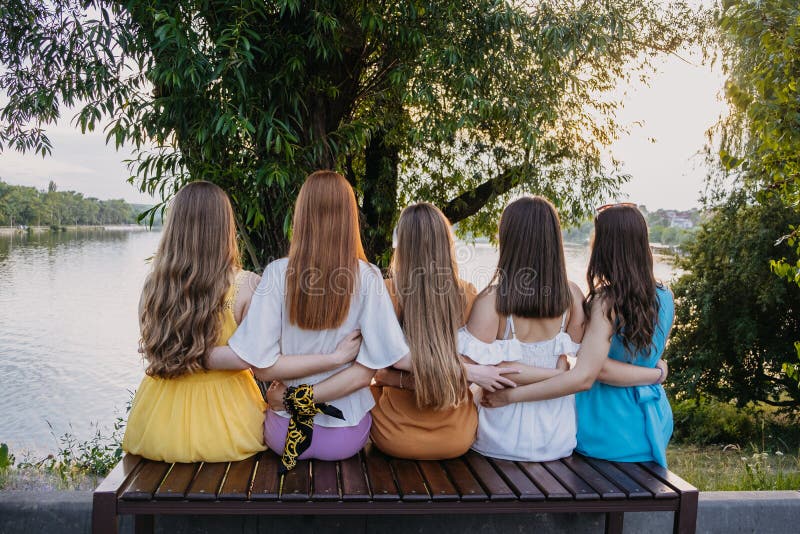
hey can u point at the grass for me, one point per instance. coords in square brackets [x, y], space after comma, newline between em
[78, 464]
[731, 468]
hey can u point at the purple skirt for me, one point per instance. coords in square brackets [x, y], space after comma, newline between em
[327, 443]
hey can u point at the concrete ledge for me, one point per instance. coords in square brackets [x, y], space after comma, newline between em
[723, 512]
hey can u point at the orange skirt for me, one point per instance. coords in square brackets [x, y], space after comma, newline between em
[402, 430]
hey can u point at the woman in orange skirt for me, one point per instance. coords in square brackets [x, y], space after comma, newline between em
[429, 413]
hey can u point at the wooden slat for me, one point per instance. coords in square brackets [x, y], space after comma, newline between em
[379, 474]
[409, 481]
[207, 482]
[325, 481]
[553, 489]
[518, 480]
[176, 482]
[145, 482]
[490, 479]
[122, 473]
[266, 480]
[685, 520]
[575, 484]
[601, 484]
[465, 482]
[238, 481]
[667, 476]
[354, 480]
[439, 485]
[646, 478]
[633, 489]
[296, 485]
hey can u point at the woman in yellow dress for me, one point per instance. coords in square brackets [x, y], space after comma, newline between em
[192, 301]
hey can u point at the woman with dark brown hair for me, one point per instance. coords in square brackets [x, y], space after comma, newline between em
[528, 318]
[623, 412]
[306, 304]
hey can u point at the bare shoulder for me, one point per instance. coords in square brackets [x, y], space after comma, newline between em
[576, 291]
[248, 282]
[483, 319]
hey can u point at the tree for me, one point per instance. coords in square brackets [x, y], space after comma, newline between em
[462, 103]
[760, 139]
[736, 322]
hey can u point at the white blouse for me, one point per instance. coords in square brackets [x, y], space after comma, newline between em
[265, 333]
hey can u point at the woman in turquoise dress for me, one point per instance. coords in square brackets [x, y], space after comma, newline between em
[629, 318]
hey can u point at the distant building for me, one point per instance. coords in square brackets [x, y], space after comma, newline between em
[679, 221]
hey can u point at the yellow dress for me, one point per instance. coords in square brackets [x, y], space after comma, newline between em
[210, 416]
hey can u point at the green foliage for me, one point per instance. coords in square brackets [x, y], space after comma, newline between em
[77, 459]
[760, 140]
[6, 458]
[27, 206]
[707, 422]
[735, 322]
[462, 103]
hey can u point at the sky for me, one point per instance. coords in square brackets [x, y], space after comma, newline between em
[667, 119]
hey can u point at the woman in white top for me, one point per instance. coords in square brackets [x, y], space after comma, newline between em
[530, 315]
[529, 319]
[306, 304]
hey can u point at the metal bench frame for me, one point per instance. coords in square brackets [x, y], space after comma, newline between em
[374, 484]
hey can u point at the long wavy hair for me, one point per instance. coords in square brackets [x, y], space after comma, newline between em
[531, 274]
[431, 301]
[621, 271]
[323, 269]
[193, 268]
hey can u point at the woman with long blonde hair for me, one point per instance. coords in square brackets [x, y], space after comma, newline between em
[427, 413]
[192, 301]
[323, 291]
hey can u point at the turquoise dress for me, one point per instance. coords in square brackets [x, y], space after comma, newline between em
[629, 424]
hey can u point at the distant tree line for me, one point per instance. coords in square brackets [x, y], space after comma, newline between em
[21, 205]
[668, 227]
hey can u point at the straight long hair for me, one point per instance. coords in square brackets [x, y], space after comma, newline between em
[184, 294]
[323, 269]
[531, 274]
[621, 271]
[431, 302]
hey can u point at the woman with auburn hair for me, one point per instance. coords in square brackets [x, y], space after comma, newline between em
[428, 414]
[307, 303]
[623, 412]
[193, 300]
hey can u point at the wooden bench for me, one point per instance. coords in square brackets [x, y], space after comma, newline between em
[374, 484]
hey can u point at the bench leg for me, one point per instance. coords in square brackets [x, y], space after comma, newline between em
[686, 515]
[614, 522]
[104, 513]
[143, 524]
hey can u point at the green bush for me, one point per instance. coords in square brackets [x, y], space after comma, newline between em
[708, 422]
[6, 458]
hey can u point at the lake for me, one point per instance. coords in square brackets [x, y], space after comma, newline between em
[68, 327]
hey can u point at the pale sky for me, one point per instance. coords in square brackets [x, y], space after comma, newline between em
[667, 120]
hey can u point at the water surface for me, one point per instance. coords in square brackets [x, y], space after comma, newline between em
[68, 327]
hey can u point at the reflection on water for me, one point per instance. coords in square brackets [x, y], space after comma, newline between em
[68, 327]
[68, 331]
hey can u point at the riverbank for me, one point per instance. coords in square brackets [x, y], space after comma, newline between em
[8, 231]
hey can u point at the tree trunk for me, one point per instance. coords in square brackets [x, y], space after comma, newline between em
[379, 205]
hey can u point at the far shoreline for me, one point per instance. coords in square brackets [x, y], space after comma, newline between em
[8, 231]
